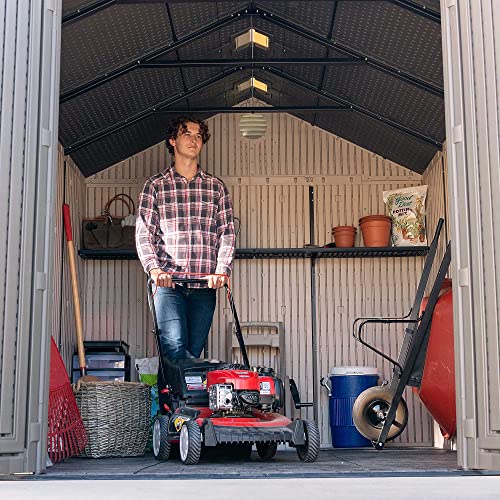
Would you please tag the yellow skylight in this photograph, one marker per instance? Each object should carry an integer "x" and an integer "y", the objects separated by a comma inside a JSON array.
[
  {"x": 252, "y": 36},
  {"x": 252, "y": 82}
]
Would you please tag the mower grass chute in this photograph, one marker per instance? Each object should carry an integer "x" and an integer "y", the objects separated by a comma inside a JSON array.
[{"x": 209, "y": 403}]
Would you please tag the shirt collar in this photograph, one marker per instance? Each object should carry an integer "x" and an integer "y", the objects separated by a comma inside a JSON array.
[{"x": 170, "y": 171}]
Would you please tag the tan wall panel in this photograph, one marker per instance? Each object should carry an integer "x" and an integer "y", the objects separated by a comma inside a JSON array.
[
  {"x": 437, "y": 204},
  {"x": 269, "y": 181},
  {"x": 71, "y": 190}
]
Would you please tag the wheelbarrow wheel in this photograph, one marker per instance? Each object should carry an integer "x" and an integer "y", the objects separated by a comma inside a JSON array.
[
  {"x": 370, "y": 410},
  {"x": 161, "y": 445},
  {"x": 190, "y": 443},
  {"x": 308, "y": 452}
]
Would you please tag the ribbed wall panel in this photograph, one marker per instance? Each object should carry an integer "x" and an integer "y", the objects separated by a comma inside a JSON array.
[
  {"x": 269, "y": 180},
  {"x": 71, "y": 190},
  {"x": 437, "y": 205}
]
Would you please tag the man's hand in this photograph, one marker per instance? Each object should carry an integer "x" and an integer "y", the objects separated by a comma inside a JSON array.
[
  {"x": 216, "y": 280},
  {"x": 161, "y": 278}
]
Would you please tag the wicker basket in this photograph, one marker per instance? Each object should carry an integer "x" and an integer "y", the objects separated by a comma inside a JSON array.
[{"x": 116, "y": 416}]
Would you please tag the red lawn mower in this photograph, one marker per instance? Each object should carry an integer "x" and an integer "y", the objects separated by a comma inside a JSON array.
[{"x": 208, "y": 403}]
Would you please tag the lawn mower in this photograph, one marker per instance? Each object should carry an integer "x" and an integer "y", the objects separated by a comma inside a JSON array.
[{"x": 213, "y": 404}]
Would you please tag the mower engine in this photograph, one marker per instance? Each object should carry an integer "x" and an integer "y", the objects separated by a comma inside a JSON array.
[
  {"x": 237, "y": 392},
  {"x": 271, "y": 390}
]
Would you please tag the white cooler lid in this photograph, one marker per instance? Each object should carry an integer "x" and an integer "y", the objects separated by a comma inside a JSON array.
[{"x": 353, "y": 370}]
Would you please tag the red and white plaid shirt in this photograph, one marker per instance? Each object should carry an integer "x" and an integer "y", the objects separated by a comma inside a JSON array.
[{"x": 185, "y": 227}]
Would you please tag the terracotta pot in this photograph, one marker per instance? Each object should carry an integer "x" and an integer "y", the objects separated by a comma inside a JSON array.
[
  {"x": 376, "y": 233},
  {"x": 366, "y": 218},
  {"x": 344, "y": 228},
  {"x": 344, "y": 236}
]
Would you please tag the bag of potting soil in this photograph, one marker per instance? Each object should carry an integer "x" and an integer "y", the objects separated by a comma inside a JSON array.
[{"x": 406, "y": 207}]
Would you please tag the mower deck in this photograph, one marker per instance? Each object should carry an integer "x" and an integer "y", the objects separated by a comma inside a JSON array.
[{"x": 250, "y": 430}]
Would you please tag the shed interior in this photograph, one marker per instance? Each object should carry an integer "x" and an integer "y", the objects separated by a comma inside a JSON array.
[{"x": 354, "y": 106}]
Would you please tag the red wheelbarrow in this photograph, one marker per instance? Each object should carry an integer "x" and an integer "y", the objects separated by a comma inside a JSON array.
[{"x": 425, "y": 362}]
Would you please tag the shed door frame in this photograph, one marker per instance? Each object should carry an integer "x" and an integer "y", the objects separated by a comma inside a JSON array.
[
  {"x": 472, "y": 94},
  {"x": 30, "y": 82},
  {"x": 459, "y": 25}
]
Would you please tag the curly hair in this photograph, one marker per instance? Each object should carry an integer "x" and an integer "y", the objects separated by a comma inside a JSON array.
[{"x": 180, "y": 124}]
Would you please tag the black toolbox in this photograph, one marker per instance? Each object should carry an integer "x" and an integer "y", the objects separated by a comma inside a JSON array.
[{"x": 107, "y": 359}]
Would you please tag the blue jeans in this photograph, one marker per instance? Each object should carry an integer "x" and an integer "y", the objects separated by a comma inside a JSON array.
[{"x": 184, "y": 318}]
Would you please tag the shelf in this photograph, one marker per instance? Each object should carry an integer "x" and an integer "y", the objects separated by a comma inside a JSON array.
[
  {"x": 108, "y": 254},
  {"x": 281, "y": 253},
  {"x": 321, "y": 253}
]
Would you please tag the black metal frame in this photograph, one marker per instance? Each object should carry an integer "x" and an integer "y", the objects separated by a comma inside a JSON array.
[
  {"x": 148, "y": 60},
  {"x": 355, "y": 107},
  {"x": 252, "y": 109},
  {"x": 87, "y": 10},
  {"x": 408, "y": 368},
  {"x": 145, "y": 113},
  {"x": 339, "y": 47},
  {"x": 150, "y": 56},
  {"x": 252, "y": 63},
  {"x": 416, "y": 8}
]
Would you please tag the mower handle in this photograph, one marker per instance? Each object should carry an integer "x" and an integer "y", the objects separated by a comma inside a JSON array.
[
  {"x": 239, "y": 335},
  {"x": 190, "y": 281}
]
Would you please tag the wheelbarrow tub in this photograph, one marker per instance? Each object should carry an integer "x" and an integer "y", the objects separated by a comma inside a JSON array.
[{"x": 437, "y": 389}]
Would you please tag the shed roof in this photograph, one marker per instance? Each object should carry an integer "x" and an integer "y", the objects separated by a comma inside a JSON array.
[{"x": 367, "y": 71}]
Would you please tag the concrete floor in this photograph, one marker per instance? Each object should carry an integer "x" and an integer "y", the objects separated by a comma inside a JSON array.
[{"x": 361, "y": 462}]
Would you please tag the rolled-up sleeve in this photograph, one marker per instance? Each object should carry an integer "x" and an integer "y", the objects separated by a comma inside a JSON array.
[{"x": 225, "y": 233}]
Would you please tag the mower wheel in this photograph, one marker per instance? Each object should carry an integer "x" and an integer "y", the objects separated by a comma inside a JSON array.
[
  {"x": 266, "y": 451},
  {"x": 308, "y": 452},
  {"x": 190, "y": 443},
  {"x": 161, "y": 445},
  {"x": 370, "y": 409}
]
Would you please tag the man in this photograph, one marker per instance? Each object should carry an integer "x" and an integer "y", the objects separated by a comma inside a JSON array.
[{"x": 185, "y": 227}]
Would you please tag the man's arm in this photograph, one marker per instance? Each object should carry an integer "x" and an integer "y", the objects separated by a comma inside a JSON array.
[
  {"x": 147, "y": 237},
  {"x": 225, "y": 234}
]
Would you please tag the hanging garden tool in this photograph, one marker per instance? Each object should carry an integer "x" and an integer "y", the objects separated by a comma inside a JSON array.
[{"x": 76, "y": 297}]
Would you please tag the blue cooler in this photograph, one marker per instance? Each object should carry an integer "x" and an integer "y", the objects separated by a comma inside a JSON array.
[{"x": 347, "y": 383}]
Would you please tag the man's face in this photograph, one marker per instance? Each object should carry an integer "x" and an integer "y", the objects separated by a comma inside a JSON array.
[{"x": 188, "y": 143}]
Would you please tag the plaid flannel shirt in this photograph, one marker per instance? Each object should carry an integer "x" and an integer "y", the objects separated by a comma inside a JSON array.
[{"x": 185, "y": 227}]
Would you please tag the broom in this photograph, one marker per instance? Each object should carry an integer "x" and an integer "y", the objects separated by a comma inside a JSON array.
[{"x": 66, "y": 436}]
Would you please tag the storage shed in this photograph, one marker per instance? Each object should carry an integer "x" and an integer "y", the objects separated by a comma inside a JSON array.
[{"x": 353, "y": 97}]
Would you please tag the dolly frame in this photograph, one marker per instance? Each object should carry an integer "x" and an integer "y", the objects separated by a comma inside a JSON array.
[{"x": 408, "y": 368}]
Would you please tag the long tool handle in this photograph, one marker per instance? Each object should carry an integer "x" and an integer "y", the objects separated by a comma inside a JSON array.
[{"x": 74, "y": 289}]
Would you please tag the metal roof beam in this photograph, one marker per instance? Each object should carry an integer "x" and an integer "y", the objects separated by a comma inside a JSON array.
[
  {"x": 189, "y": 63},
  {"x": 251, "y": 109},
  {"x": 421, "y": 10},
  {"x": 386, "y": 68},
  {"x": 323, "y": 72},
  {"x": 145, "y": 58},
  {"x": 87, "y": 10},
  {"x": 355, "y": 107},
  {"x": 100, "y": 134}
]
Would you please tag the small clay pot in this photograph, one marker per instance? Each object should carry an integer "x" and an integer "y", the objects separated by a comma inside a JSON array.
[
  {"x": 344, "y": 236},
  {"x": 344, "y": 228}
]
